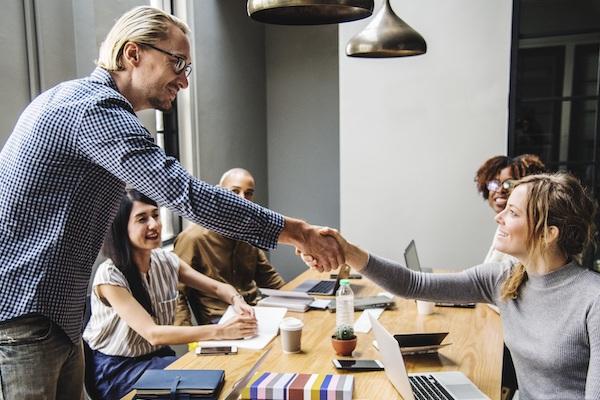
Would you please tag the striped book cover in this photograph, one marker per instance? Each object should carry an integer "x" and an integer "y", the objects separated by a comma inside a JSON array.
[{"x": 296, "y": 386}]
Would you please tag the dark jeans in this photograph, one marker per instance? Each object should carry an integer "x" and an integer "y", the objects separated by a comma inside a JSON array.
[
  {"x": 116, "y": 375},
  {"x": 38, "y": 361}
]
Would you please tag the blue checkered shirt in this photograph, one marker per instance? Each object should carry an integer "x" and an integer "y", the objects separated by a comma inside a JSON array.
[{"x": 62, "y": 176}]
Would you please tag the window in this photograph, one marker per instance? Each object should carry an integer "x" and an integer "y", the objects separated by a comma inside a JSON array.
[{"x": 555, "y": 96}]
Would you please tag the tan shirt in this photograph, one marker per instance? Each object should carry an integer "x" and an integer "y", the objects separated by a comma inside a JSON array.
[{"x": 230, "y": 261}]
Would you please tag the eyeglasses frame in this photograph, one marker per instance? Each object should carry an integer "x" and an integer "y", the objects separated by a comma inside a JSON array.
[
  {"x": 507, "y": 185},
  {"x": 187, "y": 68}
]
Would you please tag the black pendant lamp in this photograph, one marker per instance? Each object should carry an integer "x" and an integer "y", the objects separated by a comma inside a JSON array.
[
  {"x": 309, "y": 12},
  {"x": 386, "y": 36}
]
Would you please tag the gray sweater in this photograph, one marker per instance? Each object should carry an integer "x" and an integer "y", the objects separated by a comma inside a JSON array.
[{"x": 552, "y": 329}]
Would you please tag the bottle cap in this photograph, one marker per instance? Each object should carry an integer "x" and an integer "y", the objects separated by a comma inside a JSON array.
[{"x": 344, "y": 282}]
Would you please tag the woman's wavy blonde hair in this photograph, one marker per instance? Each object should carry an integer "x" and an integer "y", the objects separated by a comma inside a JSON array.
[
  {"x": 143, "y": 24},
  {"x": 553, "y": 200}
]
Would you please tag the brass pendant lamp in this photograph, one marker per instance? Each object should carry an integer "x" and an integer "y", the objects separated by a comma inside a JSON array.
[
  {"x": 386, "y": 36},
  {"x": 309, "y": 12}
]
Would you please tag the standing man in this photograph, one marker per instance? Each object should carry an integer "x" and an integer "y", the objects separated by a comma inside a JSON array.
[
  {"x": 63, "y": 173},
  {"x": 239, "y": 264}
]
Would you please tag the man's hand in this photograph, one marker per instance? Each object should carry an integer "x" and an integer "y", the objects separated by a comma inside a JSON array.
[
  {"x": 355, "y": 257},
  {"x": 325, "y": 251}
]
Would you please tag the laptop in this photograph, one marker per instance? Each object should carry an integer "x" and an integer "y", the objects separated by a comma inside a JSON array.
[
  {"x": 411, "y": 258},
  {"x": 324, "y": 287},
  {"x": 453, "y": 385}
]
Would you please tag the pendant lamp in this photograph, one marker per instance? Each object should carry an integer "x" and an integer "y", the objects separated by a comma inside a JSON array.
[
  {"x": 386, "y": 36},
  {"x": 309, "y": 12}
]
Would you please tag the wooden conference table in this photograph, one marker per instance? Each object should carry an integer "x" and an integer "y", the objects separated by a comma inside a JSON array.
[{"x": 475, "y": 334}]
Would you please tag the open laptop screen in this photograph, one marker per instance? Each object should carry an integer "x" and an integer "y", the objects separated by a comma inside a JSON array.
[{"x": 411, "y": 258}]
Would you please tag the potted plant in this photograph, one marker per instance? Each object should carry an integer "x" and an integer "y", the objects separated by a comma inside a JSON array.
[{"x": 344, "y": 340}]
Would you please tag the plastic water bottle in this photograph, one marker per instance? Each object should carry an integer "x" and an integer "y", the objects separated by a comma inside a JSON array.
[{"x": 344, "y": 304}]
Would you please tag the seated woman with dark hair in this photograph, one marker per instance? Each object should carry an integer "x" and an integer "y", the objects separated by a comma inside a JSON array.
[
  {"x": 495, "y": 179},
  {"x": 134, "y": 298},
  {"x": 549, "y": 303}
]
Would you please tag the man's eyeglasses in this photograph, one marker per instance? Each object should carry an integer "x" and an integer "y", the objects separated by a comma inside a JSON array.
[
  {"x": 495, "y": 185},
  {"x": 180, "y": 65}
]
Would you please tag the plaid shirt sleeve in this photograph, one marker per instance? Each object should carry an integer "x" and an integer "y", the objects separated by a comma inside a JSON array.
[{"x": 118, "y": 142}]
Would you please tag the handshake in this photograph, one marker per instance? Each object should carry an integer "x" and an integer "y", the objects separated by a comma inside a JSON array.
[{"x": 322, "y": 248}]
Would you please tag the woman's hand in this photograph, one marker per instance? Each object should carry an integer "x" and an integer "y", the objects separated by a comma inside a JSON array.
[
  {"x": 240, "y": 326},
  {"x": 355, "y": 256},
  {"x": 241, "y": 307}
]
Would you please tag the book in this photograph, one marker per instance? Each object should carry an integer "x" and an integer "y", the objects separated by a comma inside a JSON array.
[
  {"x": 293, "y": 301},
  {"x": 292, "y": 304},
  {"x": 157, "y": 383},
  {"x": 298, "y": 386}
]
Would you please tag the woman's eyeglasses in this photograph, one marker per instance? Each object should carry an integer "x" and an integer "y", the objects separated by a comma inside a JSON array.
[
  {"x": 496, "y": 186},
  {"x": 179, "y": 65}
]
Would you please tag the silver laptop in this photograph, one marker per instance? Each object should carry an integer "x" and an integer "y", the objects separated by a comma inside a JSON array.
[
  {"x": 324, "y": 287},
  {"x": 411, "y": 258},
  {"x": 425, "y": 385}
]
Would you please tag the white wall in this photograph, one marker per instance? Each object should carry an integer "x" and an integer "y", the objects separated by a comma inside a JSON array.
[{"x": 413, "y": 131}]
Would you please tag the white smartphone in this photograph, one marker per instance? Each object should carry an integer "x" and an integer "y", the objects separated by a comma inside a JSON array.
[
  {"x": 358, "y": 365},
  {"x": 214, "y": 350}
]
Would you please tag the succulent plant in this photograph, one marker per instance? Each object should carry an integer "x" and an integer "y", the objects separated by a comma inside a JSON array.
[{"x": 344, "y": 332}]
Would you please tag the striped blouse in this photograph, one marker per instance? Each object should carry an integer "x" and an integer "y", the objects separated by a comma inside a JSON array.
[{"x": 107, "y": 332}]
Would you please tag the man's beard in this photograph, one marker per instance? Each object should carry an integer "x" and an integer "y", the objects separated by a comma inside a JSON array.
[{"x": 159, "y": 105}]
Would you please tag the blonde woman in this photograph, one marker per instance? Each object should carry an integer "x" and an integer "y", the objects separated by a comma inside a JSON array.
[{"x": 549, "y": 302}]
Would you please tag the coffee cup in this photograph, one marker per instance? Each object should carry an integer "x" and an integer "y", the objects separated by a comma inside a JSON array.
[
  {"x": 291, "y": 335},
  {"x": 425, "y": 307}
]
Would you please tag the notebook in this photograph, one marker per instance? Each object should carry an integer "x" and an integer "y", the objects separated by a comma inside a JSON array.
[
  {"x": 293, "y": 301},
  {"x": 197, "y": 383},
  {"x": 452, "y": 385},
  {"x": 324, "y": 287},
  {"x": 411, "y": 258}
]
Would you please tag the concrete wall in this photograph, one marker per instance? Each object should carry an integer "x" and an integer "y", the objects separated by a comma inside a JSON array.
[
  {"x": 413, "y": 131},
  {"x": 14, "y": 81},
  {"x": 229, "y": 85},
  {"x": 303, "y": 129}
]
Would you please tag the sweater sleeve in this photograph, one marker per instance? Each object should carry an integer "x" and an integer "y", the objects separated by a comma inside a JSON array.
[
  {"x": 478, "y": 284},
  {"x": 592, "y": 383}
]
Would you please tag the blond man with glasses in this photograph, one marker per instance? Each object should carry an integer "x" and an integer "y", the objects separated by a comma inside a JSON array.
[{"x": 63, "y": 172}]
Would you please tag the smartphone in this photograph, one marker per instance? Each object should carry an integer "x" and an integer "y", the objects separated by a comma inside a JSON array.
[
  {"x": 213, "y": 350},
  {"x": 358, "y": 365}
]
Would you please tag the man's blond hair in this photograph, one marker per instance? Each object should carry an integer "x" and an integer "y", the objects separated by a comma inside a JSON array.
[{"x": 143, "y": 24}]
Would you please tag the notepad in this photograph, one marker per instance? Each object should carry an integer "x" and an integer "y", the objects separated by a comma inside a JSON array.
[
  {"x": 298, "y": 386},
  {"x": 268, "y": 319}
]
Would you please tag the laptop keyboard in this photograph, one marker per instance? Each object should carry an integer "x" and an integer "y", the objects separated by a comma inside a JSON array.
[
  {"x": 426, "y": 387},
  {"x": 323, "y": 287}
]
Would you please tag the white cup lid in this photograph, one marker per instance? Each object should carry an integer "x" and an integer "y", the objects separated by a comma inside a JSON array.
[{"x": 291, "y": 324}]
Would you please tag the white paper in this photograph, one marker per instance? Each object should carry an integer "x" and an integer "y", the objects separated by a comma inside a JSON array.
[
  {"x": 362, "y": 324},
  {"x": 268, "y": 319}
]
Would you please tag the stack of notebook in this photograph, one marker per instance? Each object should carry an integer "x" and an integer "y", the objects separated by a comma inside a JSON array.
[
  {"x": 296, "y": 386},
  {"x": 191, "y": 384}
]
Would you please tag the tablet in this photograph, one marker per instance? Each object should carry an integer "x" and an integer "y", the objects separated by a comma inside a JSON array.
[
  {"x": 421, "y": 343},
  {"x": 420, "y": 339}
]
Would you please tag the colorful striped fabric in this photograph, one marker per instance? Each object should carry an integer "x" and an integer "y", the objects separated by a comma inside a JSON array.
[{"x": 295, "y": 386}]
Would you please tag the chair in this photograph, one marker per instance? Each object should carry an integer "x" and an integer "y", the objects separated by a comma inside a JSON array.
[
  {"x": 196, "y": 308},
  {"x": 88, "y": 355}
]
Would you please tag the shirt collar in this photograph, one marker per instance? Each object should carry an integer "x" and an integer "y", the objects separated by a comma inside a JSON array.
[{"x": 102, "y": 76}]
